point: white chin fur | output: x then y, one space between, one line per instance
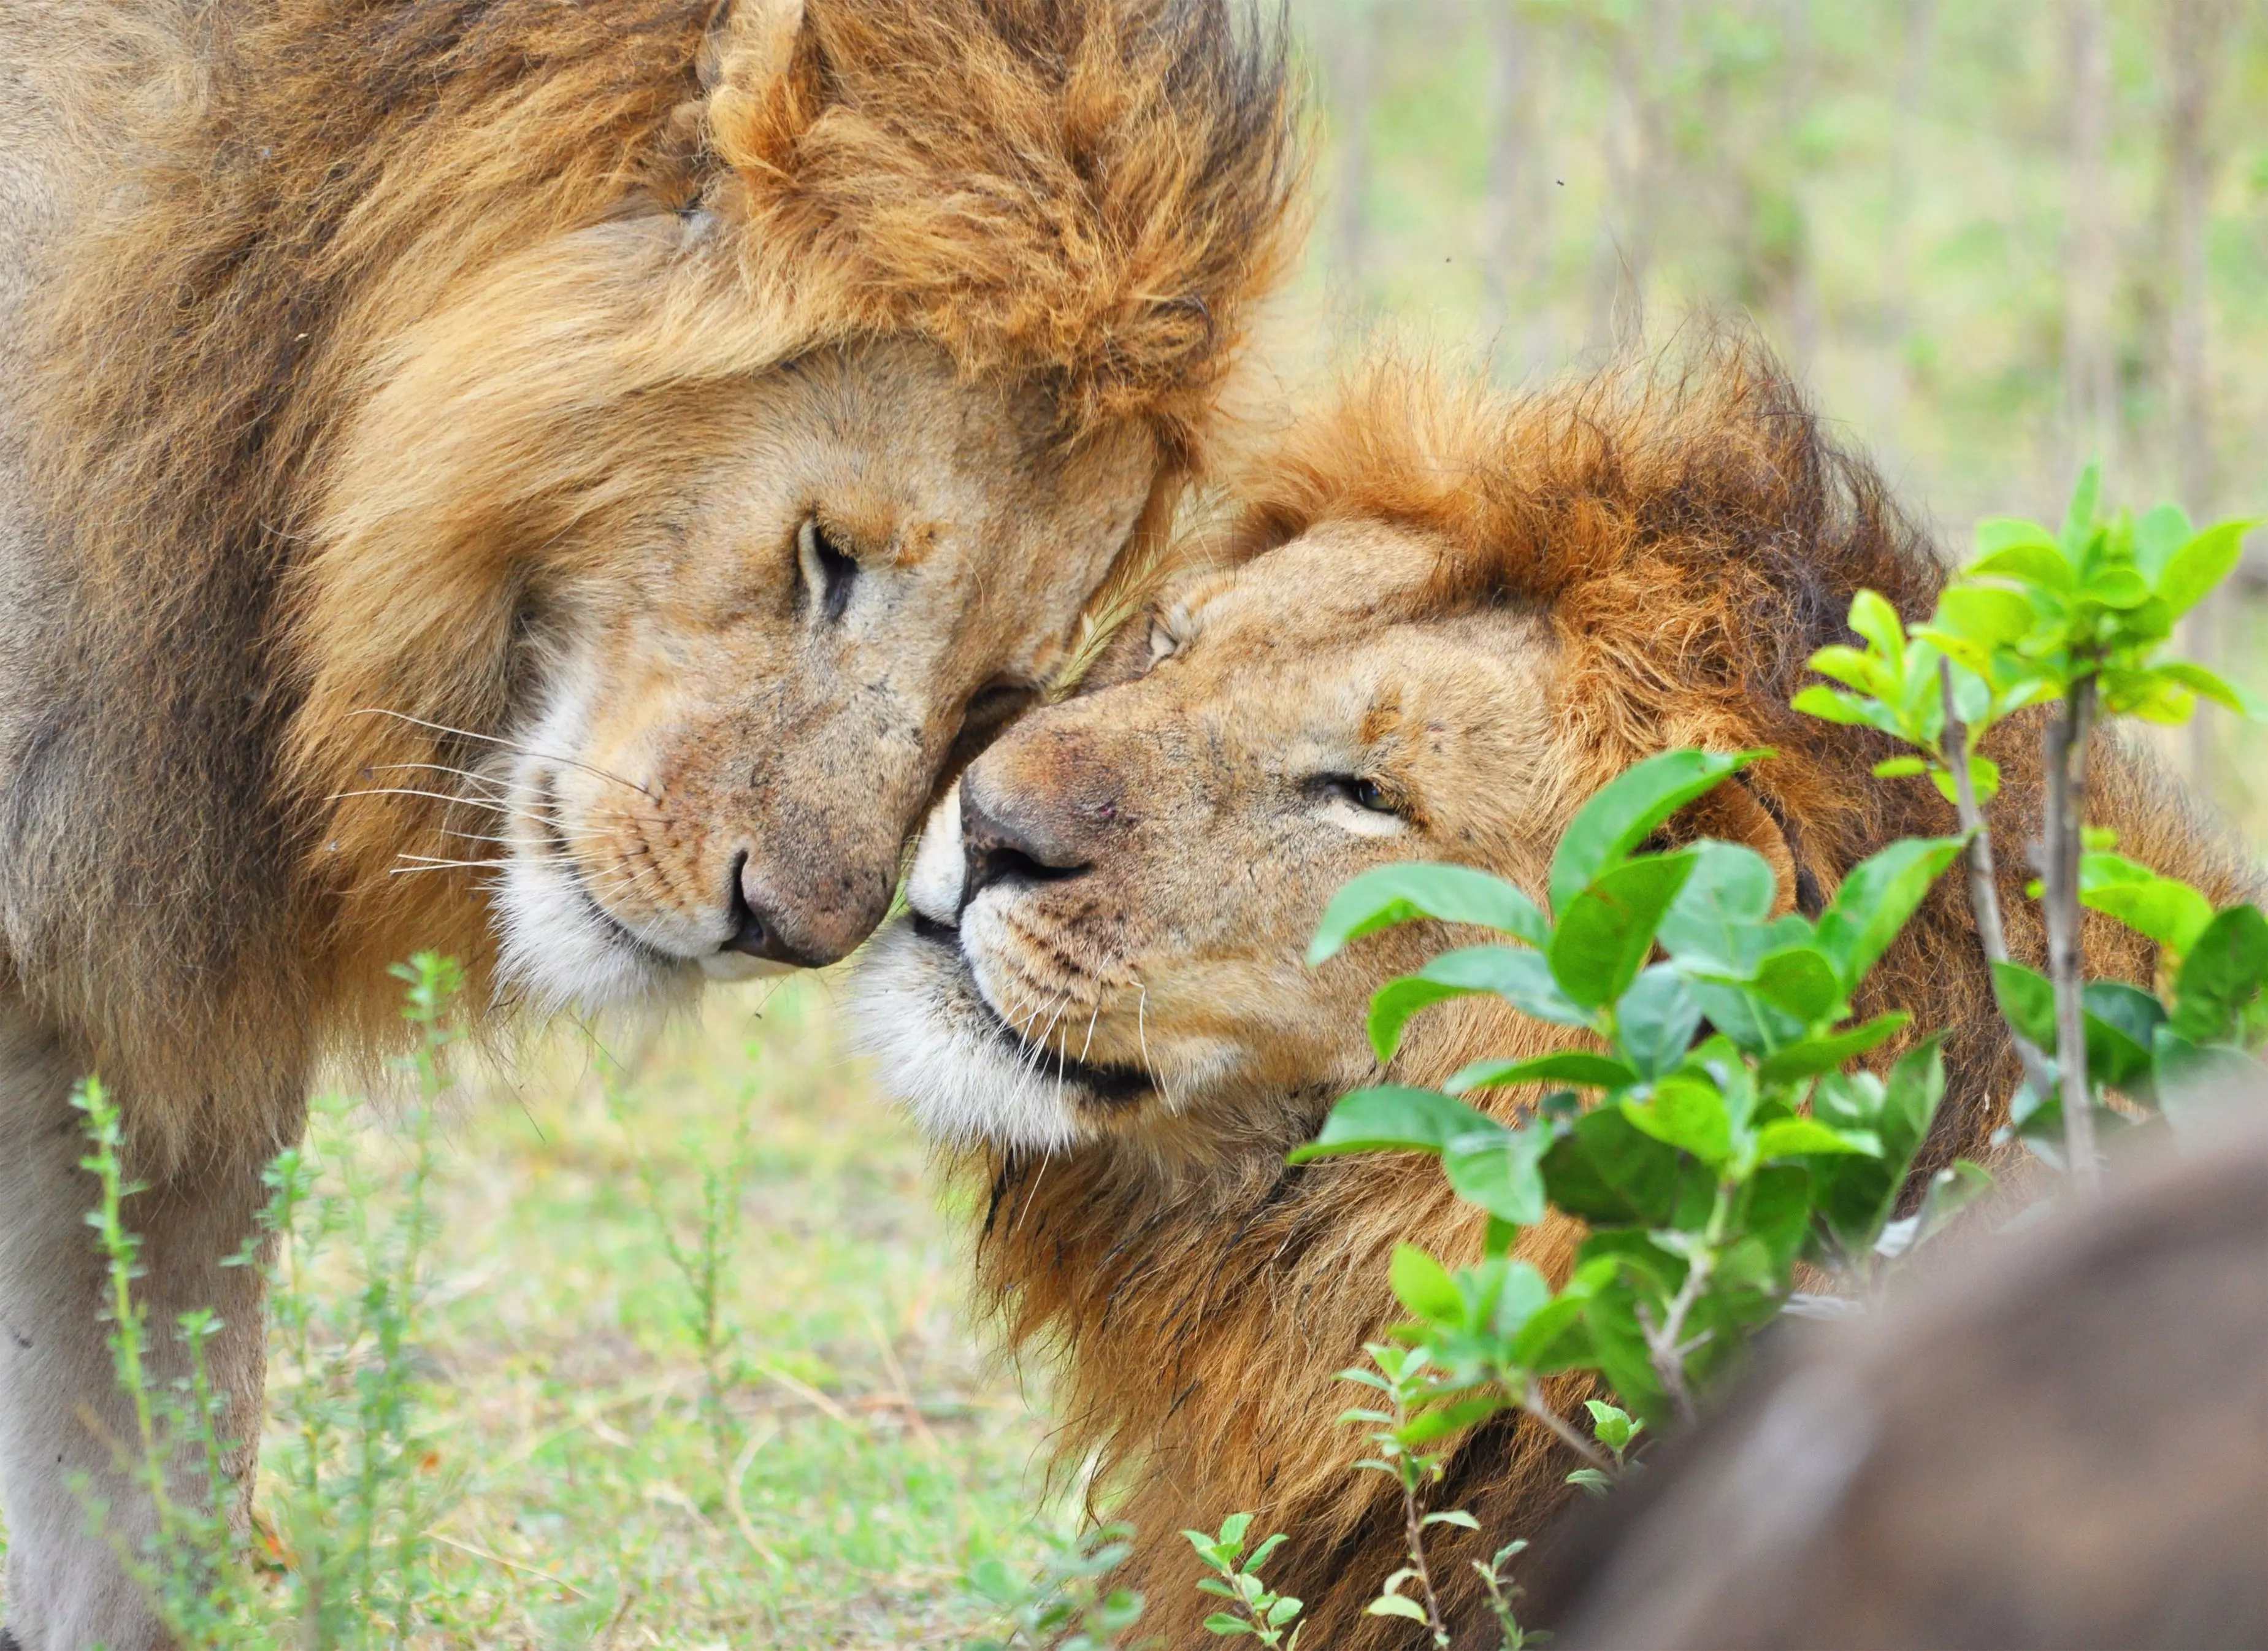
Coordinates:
914 1010
933 888
559 954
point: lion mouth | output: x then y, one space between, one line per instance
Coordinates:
1110 1084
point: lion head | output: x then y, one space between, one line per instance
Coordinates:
561 483
1439 620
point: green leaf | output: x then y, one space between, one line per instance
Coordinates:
1799 980
1499 1172
1566 1066
2117 587
1688 1114
1227 1627
1456 1516
1873 618
1951 1191
1521 977
1611 1424
2159 532
1603 1167
2222 971
1389 895
1392 1118
2165 908
1423 1285
1265 1551
2198 565
1876 900
1655 1022
2206 685
1974 621
2027 1000
2030 561
1283 1611
1395 1605
1816 1055
1606 931
1797 1137
1900 767
1832 704
1626 810
1726 900
2122 1026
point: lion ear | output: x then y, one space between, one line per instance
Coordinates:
1741 812
749 44
745 67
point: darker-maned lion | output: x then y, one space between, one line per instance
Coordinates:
1440 620
552 483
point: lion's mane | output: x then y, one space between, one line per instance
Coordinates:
324 353
1694 537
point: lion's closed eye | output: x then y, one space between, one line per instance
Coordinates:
1360 804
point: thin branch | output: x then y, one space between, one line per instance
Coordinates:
1983 875
2066 741
1532 1401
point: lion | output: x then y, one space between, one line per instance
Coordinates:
1436 620
556 484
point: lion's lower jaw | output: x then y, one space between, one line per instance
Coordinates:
555 952
939 1053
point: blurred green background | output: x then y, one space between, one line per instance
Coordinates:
1993 237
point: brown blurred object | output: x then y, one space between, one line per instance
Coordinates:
2060 1438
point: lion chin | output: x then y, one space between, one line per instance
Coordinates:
969 1073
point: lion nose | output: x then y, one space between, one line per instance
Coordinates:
757 931
999 849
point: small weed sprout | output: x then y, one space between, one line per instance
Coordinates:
352 1493
1064 1607
1256 1610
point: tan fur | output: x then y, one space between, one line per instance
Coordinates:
1488 607
401 301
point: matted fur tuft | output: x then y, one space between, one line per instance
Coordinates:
1090 190
1693 536
236 423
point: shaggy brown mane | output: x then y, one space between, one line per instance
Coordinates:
1088 196
1694 536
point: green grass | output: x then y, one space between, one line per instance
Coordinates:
582 1489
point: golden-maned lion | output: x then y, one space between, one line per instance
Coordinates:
552 482
1440 621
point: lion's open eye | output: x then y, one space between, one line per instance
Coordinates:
1363 793
828 570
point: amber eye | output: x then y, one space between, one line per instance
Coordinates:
828 570
1363 793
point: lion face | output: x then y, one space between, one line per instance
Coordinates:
1111 915
742 692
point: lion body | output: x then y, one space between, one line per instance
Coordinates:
638 439
1687 542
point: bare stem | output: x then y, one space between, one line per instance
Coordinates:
1983 875
2066 741
1663 1346
1532 1401
1413 1528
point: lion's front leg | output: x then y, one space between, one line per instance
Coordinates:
61 1411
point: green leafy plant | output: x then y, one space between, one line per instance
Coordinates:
1065 1607
1254 1608
353 1488
2076 620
